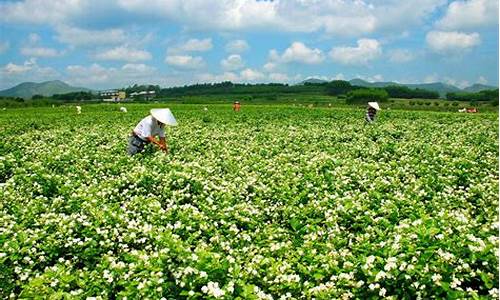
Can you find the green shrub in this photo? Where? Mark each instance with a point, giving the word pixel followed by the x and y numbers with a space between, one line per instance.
pixel 362 96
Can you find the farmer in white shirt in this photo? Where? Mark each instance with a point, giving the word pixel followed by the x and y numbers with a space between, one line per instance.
pixel 149 128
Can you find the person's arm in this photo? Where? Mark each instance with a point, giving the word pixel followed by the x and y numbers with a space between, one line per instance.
pixel 163 144
pixel 153 140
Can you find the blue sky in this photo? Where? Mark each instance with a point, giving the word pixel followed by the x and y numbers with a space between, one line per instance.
pixel 110 44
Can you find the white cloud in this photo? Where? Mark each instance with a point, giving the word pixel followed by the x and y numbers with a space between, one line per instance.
pixel 399 16
pixel 333 17
pixel 370 78
pixel 32 49
pixel 185 61
pixel 11 68
pixel 192 45
pixel 458 83
pixel 40 52
pixel 4 46
pixel 232 62
pixel 279 77
pixel 123 53
pixel 299 53
pixel 431 78
pixel 482 80
pixel 138 68
pixel 401 55
pixel 471 14
pixel 237 46
pixel 247 75
pixel 451 41
pixel 97 76
pixel 270 66
pixel 39 11
pixel 226 76
pixel 338 76
pixel 33 38
pixel 89 75
pixel 82 37
pixel 12 73
pixel 366 51
pixel 251 75
pixel 378 77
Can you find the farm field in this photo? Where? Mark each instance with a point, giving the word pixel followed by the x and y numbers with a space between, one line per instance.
pixel 274 202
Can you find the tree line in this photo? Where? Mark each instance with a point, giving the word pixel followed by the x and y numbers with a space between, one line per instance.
pixel 486 95
pixel 271 91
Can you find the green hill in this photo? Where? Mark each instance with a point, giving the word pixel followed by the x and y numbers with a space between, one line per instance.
pixel 48 88
pixel 477 87
pixel 441 88
pixel 312 80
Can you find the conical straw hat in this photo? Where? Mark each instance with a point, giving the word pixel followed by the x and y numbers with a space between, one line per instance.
pixel 374 105
pixel 164 115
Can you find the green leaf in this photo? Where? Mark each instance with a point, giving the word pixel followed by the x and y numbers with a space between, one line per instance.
pixel 295 223
pixel 486 280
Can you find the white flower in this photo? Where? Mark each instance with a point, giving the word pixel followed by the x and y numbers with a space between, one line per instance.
pixel 436 278
pixel 380 275
pixel 493 293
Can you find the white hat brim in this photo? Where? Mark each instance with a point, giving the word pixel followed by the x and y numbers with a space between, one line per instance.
pixel 164 115
pixel 374 105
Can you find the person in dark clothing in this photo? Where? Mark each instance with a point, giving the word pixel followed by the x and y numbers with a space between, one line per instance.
pixel 372 111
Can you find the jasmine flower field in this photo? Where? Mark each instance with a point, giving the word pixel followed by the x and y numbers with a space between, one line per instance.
pixel 274 202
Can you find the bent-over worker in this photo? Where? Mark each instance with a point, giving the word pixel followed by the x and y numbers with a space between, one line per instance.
pixel 149 128
pixel 236 106
pixel 372 111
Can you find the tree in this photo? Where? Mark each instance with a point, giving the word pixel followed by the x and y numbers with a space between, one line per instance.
pixel 363 96
pixel 486 95
pixel 338 87
pixel 400 91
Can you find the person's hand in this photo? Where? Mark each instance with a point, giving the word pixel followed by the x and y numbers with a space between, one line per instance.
pixel 163 147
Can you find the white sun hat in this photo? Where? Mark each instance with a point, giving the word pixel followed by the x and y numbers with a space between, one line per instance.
pixel 164 115
pixel 374 105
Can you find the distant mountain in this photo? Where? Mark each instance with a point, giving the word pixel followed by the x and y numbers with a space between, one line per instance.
pixel 477 87
pixel 312 80
pixel 441 88
pixel 361 82
pixel 48 88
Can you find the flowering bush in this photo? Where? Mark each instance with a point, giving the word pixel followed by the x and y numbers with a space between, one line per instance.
pixel 274 202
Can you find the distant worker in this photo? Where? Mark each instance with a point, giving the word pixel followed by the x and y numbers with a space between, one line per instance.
pixel 372 111
pixel 236 106
pixel 78 109
pixel 149 128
